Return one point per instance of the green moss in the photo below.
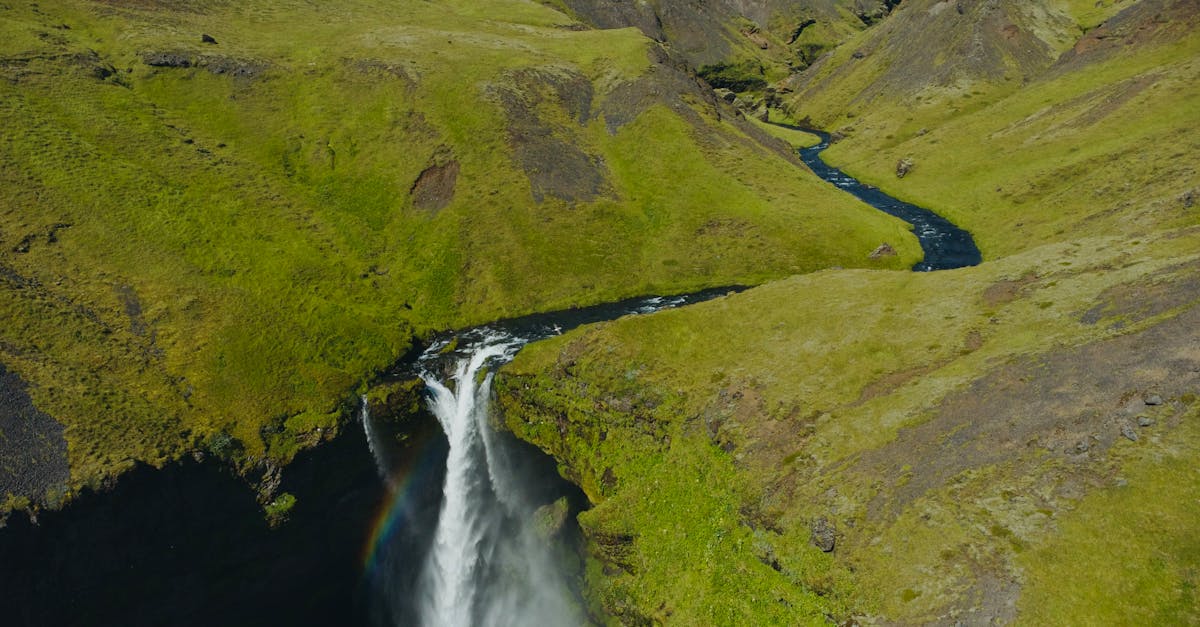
(277, 510)
(687, 429)
(1101, 144)
(797, 139)
(1126, 555)
(739, 77)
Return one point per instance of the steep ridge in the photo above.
(1095, 127)
(771, 34)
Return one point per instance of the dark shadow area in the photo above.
(189, 545)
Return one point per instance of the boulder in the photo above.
(549, 519)
(903, 167)
(1153, 399)
(1128, 432)
(1145, 421)
(207, 39)
(824, 536)
(167, 59)
(885, 250)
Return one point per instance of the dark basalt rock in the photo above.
(556, 166)
(216, 64)
(824, 535)
(167, 59)
(33, 449)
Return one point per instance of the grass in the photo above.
(1149, 567)
(794, 138)
(776, 401)
(753, 408)
(242, 252)
(1091, 151)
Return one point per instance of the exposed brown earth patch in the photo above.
(376, 67)
(434, 188)
(1143, 23)
(1153, 295)
(1004, 292)
(1092, 107)
(535, 100)
(182, 6)
(892, 382)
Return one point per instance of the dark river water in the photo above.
(946, 246)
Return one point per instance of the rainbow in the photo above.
(397, 508)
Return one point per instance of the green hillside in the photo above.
(972, 445)
(219, 219)
(220, 222)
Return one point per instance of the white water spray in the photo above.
(486, 567)
(374, 443)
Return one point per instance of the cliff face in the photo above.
(1005, 443)
(774, 32)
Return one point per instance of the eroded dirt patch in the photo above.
(1072, 403)
(1154, 295)
(535, 101)
(1004, 292)
(434, 187)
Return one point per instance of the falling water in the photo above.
(473, 556)
(374, 443)
(486, 566)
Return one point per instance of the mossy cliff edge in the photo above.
(218, 220)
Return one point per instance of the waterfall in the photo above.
(468, 554)
(486, 565)
(374, 443)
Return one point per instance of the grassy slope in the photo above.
(799, 380)
(243, 251)
(1063, 141)
(801, 399)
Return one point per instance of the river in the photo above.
(946, 246)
